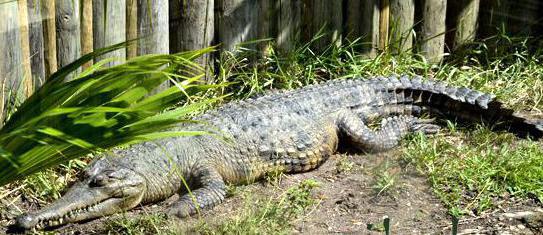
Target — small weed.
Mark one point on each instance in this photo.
(385, 181)
(45, 186)
(267, 216)
(146, 224)
(344, 165)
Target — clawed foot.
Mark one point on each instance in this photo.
(425, 126)
(177, 210)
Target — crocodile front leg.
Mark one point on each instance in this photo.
(210, 193)
(391, 132)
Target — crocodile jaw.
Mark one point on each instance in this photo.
(90, 199)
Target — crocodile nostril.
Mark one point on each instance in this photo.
(25, 221)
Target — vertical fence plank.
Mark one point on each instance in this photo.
(461, 19)
(433, 29)
(153, 29)
(28, 83)
(86, 29)
(492, 17)
(237, 22)
(131, 27)
(10, 64)
(402, 14)
(384, 21)
(288, 24)
(523, 17)
(68, 32)
(322, 16)
(192, 28)
(369, 26)
(49, 37)
(362, 22)
(36, 42)
(109, 28)
(265, 30)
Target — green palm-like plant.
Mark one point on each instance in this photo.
(99, 109)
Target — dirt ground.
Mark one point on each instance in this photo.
(349, 203)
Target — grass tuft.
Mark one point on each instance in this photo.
(268, 216)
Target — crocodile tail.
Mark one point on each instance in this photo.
(462, 103)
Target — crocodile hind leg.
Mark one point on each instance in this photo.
(211, 192)
(388, 136)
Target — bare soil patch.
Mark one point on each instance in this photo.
(350, 200)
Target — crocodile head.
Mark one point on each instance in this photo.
(107, 188)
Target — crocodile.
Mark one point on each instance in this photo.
(286, 131)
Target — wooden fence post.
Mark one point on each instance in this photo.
(36, 43)
(363, 22)
(11, 72)
(369, 26)
(109, 28)
(492, 17)
(266, 16)
(523, 17)
(86, 29)
(288, 24)
(462, 18)
(237, 22)
(403, 14)
(28, 83)
(68, 32)
(49, 37)
(325, 15)
(384, 22)
(131, 27)
(433, 29)
(153, 29)
(192, 28)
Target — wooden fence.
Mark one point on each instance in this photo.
(39, 36)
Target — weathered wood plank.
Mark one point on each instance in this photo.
(49, 37)
(10, 65)
(369, 26)
(86, 29)
(109, 28)
(324, 16)
(433, 29)
(28, 83)
(153, 29)
(461, 19)
(36, 43)
(237, 22)
(362, 23)
(192, 28)
(493, 17)
(68, 32)
(523, 17)
(131, 27)
(288, 24)
(402, 16)
(384, 21)
(266, 17)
